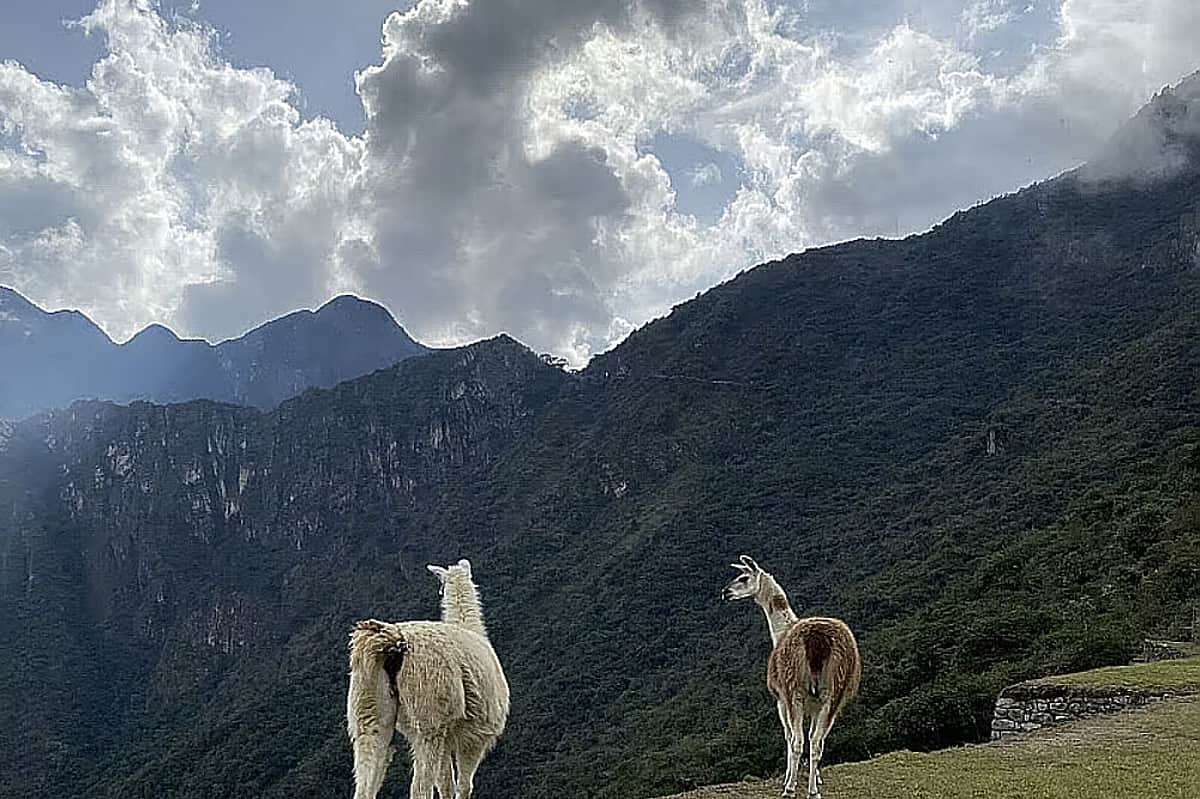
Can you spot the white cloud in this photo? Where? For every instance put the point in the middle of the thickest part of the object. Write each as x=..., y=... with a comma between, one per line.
x=706, y=175
x=910, y=83
x=980, y=17
x=503, y=181
x=167, y=173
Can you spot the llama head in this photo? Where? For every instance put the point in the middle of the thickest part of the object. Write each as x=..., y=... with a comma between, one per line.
x=459, y=571
x=747, y=582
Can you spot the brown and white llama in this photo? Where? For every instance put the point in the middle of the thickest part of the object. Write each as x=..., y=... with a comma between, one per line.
x=438, y=682
x=813, y=671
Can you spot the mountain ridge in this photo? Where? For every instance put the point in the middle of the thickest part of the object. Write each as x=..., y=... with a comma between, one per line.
x=344, y=338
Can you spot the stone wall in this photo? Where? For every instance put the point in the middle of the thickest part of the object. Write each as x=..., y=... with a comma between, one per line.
x=1027, y=707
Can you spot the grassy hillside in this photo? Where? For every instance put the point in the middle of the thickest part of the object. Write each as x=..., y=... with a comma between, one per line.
x=1146, y=752
x=1175, y=676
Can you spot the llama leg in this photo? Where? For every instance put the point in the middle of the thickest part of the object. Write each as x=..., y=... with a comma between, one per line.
x=443, y=771
x=372, y=754
x=822, y=734
x=372, y=741
x=470, y=755
x=787, y=743
x=816, y=745
x=795, y=747
x=423, y=773
x=422, y=782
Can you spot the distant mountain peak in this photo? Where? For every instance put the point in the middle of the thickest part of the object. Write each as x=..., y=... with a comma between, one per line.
x=349, y=302
x=353, y=307
x=62, y=356
x=14, y=304
x=1160, y=141
x=1189, y=87
x=503, y=341
x=155, y=333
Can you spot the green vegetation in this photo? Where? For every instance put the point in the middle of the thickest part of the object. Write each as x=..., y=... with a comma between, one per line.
x=979, y=446
x=1182, y=676
x=1149, y=752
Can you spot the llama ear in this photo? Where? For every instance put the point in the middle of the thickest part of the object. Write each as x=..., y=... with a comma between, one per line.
x=465, y=565
x=742, y=567
x=438, y=571
x=749, y=563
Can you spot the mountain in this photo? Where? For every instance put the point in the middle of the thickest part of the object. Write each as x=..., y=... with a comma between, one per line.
x=1163, y=137
x=347, y=337
x=63, y=356
x=47, y=356
x=980, y=446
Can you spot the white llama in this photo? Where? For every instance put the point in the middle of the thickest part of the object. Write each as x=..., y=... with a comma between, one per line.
x=438, y=682
x=813, y=670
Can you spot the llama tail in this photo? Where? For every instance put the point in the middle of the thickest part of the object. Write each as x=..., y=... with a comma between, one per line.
x=375, y=644
x=377, y=651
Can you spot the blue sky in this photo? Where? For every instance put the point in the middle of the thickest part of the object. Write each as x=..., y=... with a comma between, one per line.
x=317, y=44
x=563, y=170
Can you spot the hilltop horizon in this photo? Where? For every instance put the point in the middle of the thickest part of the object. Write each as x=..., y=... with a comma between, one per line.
x=566, y=181
x=151, y=327
x=63, y=356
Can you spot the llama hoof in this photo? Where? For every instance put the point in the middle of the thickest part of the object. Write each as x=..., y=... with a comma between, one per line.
x=789, y=791
x=814, y=794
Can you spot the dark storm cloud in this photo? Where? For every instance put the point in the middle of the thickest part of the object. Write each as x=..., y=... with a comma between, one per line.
x=464, y=214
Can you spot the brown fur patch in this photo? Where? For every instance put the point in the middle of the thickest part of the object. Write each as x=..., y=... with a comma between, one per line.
x=815, y=655
x=818, y=644
x=778, y=602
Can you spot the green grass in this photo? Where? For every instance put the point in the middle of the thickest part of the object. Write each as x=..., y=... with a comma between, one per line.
x=1147, y=752
x=1166, y=675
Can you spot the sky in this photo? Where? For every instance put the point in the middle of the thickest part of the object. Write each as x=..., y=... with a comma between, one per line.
x=560, y=170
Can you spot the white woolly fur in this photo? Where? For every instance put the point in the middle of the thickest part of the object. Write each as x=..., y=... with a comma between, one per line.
x=447, y=694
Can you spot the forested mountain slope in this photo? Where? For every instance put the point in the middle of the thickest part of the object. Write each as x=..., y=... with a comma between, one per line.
x=980, y=446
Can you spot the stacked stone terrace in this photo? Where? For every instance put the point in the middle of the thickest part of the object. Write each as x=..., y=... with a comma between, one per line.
x=1029, y=706
x=1025, y=708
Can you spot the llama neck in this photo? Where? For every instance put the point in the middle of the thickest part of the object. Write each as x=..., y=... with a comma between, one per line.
x=460, y=605
x=775, y=606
